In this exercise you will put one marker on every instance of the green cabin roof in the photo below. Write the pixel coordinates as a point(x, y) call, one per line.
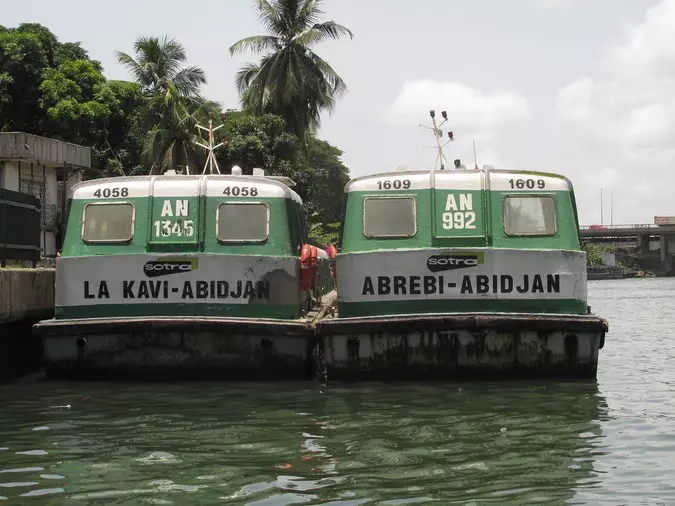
point(459, 208)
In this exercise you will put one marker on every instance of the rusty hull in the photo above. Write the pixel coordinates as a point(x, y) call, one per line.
point(185, 347)
point(462, 345)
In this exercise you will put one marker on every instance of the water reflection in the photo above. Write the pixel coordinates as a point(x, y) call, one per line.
point(290, 444)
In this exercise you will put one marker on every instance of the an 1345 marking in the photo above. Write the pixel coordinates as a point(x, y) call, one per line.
point(178, 227)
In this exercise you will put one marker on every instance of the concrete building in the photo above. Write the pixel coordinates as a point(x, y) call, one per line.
point(45, 168)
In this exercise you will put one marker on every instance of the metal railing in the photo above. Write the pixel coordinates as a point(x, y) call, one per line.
point(647, 226)
point(20, 220)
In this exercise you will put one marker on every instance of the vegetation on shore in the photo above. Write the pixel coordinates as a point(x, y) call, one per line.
point(595, 251)
point(147, 125)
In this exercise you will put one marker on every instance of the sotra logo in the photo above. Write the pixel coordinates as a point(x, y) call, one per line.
point(166, 266)
point(452, 261)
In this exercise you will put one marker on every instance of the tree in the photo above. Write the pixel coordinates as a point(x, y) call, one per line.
point(158, 66)
point(22, 64)
point(328, 180)
point(171, 141)
point(258, 141)
point(290, 80)
point(174, 103)
point(262, 141)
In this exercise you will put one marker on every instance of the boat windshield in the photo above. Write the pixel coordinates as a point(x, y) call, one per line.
point(529, 215)
point(242, 222)
point(389, 217)
point(113, 222)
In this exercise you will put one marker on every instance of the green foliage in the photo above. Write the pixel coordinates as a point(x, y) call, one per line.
point(53, 88)
point(321, 234)
point(290, 80)
point(327, 179)
point(595, 251)
point(259, 141)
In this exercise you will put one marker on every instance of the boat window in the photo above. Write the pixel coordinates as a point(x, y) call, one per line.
point(389, 217)
point(242, 222)
point(530, 215)
point(110, 222)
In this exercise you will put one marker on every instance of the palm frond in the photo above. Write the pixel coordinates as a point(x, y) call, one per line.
point(270, 17)
point(256, 44)
point(336, 84)
point(245, 76)
point(188, 80)
point(322, 31)
point(309, 14)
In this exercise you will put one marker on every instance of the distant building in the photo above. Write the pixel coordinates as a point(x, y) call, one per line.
point(45, 168)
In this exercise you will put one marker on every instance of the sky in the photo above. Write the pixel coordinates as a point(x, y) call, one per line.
point(583, 88)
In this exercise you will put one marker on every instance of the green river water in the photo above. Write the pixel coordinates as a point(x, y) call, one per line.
point(605, 442)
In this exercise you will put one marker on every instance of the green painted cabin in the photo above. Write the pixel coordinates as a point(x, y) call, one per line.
point(184, 245)
point(447, 241)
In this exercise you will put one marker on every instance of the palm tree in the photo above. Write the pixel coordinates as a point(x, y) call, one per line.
point(158, 65)
point(290, 80)
point(174, 102)
point(171, 141)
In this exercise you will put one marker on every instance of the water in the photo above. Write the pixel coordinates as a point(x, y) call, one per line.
point(608, 442)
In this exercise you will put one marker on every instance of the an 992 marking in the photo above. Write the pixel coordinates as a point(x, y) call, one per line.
point(530, 184)
point(396, 184)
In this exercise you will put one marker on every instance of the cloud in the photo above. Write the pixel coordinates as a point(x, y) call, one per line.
point(649, 46)
point(555, 4)
point(574, 100)
point(625, 118)
point(467, 107)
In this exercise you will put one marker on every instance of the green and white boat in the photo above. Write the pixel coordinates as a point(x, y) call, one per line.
point(186, 273)
point(461, 272)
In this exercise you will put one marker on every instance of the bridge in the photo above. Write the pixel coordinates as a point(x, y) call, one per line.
point(623, 232)
point(644, 236)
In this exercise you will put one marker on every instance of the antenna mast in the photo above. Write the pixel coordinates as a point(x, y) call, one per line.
point(211, 161)
point(475, 158)
point(438, 134)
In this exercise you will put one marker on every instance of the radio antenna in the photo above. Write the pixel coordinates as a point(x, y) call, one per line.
point(438, 135)
point(475, 159)
point(211, 161)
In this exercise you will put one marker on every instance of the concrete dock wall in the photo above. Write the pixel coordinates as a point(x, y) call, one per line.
point(26, 296)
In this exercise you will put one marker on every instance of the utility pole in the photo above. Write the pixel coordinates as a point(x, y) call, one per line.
point(438, 134)
point(602, 220)
point(611, 208)
point(211, 161)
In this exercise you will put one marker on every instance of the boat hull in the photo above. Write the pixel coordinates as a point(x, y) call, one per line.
point(177, 347)
point(477, 345)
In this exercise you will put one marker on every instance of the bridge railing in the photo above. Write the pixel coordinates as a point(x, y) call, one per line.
point(642, 226)
point(19, 227)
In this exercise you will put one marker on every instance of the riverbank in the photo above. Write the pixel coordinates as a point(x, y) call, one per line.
point(603, 272)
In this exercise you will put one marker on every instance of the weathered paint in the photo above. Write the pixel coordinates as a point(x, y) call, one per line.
point(52, 152)
point(188, 346)
point(147, 285)
point(450, 346)
point(459, 280)
point(173, 297)
point(191, 353)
